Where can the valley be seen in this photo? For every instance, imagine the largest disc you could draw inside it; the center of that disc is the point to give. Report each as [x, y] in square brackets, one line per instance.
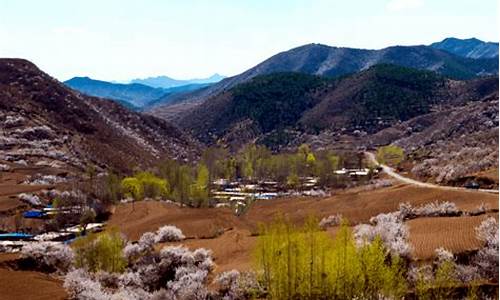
[164, 189]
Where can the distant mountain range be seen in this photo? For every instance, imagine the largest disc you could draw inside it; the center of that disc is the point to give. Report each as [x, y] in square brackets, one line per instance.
[471, 48]
[323, 60]
[167, 82]
[135, 96]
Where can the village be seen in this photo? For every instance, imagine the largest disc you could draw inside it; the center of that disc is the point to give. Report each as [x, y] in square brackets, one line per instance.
[237, 195]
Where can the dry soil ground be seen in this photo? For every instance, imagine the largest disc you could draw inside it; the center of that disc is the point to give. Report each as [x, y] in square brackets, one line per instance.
[233, 249]
[231, 240]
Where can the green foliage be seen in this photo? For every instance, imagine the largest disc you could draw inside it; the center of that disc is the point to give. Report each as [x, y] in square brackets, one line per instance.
[276, 100]
[100, 252]
[305, 263]
[152, 186]
[395, 93]
[390, 154]
[199, 190]
[113, 187]
[132, 187]
[444, 281]
[144, 184]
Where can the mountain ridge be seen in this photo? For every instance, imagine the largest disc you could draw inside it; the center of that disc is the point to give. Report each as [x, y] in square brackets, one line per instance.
[168, 82]
[319, 59]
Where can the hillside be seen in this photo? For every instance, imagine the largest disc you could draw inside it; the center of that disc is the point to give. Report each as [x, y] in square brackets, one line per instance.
[44, 122]
[471, 48]
[317, 59]
[269, 106]
[137, 95]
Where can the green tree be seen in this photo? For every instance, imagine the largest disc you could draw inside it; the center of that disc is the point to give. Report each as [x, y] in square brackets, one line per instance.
[133, 188]
[152, 186]
[100, 252]
[305, 263]
[390, 154]
[200, 189]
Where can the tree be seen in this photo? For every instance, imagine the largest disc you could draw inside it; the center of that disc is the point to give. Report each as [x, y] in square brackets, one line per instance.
[390, 154]
[86, 218]
[100, 252]
[304, 263]
[152, 186]
[199, 189]
[293, 180]
[133, 188]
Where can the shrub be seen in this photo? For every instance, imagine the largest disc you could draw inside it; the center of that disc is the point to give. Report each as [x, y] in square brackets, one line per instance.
[330, 221]
[79, 285]
[169, 233]
[390, 154]
[30, 199]
[438, 209]
[100, 252]
[434, 209]
[390, 228]
[486, 258]
[49, 256]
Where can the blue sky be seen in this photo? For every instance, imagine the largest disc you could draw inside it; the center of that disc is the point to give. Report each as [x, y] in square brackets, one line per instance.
[121, 40]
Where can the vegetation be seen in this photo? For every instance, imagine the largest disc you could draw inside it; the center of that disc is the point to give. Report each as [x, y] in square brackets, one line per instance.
[390, 155]
[100, 252]
[276, 100]
[305, 263]
[394, 93]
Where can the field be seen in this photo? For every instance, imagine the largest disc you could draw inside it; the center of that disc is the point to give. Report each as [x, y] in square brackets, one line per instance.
[456, 234]
[19, 284]
[232, 238]
[233, 247]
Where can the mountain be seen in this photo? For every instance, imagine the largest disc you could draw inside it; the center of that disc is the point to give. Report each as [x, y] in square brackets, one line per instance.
[317, 59]
[167, 82]
[135, 94]
[471, 48]
[45, 122]
[269, 107]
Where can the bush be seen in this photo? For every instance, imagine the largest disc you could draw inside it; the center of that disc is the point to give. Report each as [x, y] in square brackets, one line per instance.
[434, 209]
[391, 230]
[100, 252]
[390, 154]
[330, 221]
[486, 258]
[169, 233]
[49, 256]
[79, 285]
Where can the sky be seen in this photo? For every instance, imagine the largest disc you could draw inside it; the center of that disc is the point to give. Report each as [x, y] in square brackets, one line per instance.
[121, 40]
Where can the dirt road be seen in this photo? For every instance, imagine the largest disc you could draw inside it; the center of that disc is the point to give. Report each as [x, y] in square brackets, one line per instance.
[389, 171]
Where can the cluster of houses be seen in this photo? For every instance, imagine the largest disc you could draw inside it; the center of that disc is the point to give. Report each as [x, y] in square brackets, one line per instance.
[14, 241]
[238, 194]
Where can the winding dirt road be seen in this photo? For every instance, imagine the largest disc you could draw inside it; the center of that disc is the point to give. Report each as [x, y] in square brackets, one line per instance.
[389, 171]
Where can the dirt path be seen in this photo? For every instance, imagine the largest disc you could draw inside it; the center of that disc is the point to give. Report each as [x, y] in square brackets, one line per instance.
[389, 171]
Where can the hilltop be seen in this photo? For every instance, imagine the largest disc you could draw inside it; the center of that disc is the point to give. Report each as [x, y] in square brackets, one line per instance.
[323, 60]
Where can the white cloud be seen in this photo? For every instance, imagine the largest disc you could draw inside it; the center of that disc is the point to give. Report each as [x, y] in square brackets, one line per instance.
[404, 5]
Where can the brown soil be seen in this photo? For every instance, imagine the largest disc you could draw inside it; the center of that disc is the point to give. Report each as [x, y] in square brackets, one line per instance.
[456, 234]
[135, 219]
[233, 249]
[19, 284]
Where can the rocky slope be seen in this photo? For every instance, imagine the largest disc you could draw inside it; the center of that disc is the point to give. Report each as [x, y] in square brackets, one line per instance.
[44, 122]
